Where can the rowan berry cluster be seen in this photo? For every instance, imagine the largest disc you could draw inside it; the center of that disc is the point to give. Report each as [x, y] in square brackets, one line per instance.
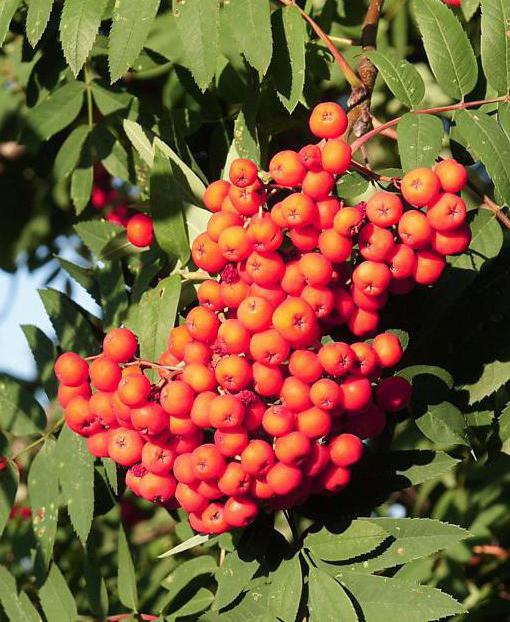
[139, 227]
[256, 407]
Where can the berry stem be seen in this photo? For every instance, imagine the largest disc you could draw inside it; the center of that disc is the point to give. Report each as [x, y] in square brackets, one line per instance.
[345, 68]
[358, 143]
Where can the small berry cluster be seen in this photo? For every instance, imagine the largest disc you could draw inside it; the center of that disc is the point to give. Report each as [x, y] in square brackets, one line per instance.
[139, 227]
[256, 407]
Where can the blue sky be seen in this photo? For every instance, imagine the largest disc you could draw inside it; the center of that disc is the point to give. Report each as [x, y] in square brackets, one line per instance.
[20, 304]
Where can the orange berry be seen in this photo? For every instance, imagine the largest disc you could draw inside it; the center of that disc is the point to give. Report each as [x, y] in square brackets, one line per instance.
[348, 220]
[105, 374]
[336, 358]
[178, 338]
[367, 361]
[243, 172]
[429, 267]
[362, 322]
[298, 210]
[355, 393]
[384, 209]
[293, 280]
[287, 169]
[335, 247]
[202, 324]
[269, 347]
[248, 200]
[327, 211]
[318, 185]
[345, 449]
[284, 478]
[231, 442]
[71, 369]
[226, 411]
[140, 230]
[452, 175]
[267, 379]
[388, 349]
[292, 448]
[328, 120]
[264, 234]
[233, 373]
[420, 187]
[278, 420]
[448, 213]
[209, 295]
[295, 394]
[295, 320]
[305, 365]
[316, 269]
[207, 254]
[314, 422]
[232, 294]
[265, 268]
[371, 277]
[304, 238]
[451, 242]
[310, 156]
[402, 261]
[255, 313]
[177, 398]
[325, 394]
[199, 376]
[221, 221]
[375, 243]
[393, 394]
[336, 156]
[215, 193]
[321, 299]
[257, 458]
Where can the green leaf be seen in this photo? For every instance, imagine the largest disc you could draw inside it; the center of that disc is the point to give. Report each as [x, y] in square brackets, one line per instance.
[486, 241]
[504, 424]
[139, 140]
[7, 10]
[112, 153]
[419, 140]
[69, 154]
[44, 493]
[55, 112]
[44, 354]
[469, 8]
[73, 329]
[39, 12]
[56, 598]
[487, 142]
[439, 464]
[381, 598]
[16, 607]
[246, 139]
[126, 577]
[288, 63]
[233, 577]
[186, 572]
[250, 24]
[496, 44]
[82, 181]
[185, 546]
[9, 479]
[199, 602]
[110, 99]
[252, 608]
[20, 413]
[197, 25]
[444, 425]
[351, 184]
[327, 599]
[494, 375]
[114, 300]
[110, 469]
[78, 29]
[401, 77]
[85, 277]
[132, 21]
[97, 233]
[156, 314]
[411, 538]
[415, 371]
[77, 482]
[448, 49]
[360, 537]
[286, 587]
[167, 209]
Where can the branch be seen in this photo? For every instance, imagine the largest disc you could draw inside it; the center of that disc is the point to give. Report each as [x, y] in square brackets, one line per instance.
[345, 68]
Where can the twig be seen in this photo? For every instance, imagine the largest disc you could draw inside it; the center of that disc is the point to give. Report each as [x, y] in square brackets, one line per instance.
[364, 170]
[497, 210]
[40, 440]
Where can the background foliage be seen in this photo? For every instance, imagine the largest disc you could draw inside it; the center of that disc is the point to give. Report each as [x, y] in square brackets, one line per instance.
[162, 97]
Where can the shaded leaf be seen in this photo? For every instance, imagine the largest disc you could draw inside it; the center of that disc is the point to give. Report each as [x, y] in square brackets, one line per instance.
[286, 587]
[97, 233]
[9, 478]
[126, 577]
[20, 413]
[444, 425]
[327, 599]
[246, 137]
[199, 602]
[496, 44]
[69, 154]
[114, 300]
[83, 276]
[56, 598]
[401, 77]
[438, 465]
[44, 353]
[16, 607]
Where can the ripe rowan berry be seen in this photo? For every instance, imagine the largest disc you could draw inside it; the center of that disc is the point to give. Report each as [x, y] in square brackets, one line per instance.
[284, 478]
[344, 305]
[267, 379]
[234, 243]
[295, 394]
[235, 481]
[232, 294]
[199, 413]
[366, 302]
[120, 345]
[269, 347]
[220, 221]
[384, 209]
[304, 238]
[209, 489]
[335, 247]
[429, 267]
[321, 299]
[225, 412]
[299, 210]
[231, 442]
[207, 462]
[140, 230]
[101, 408]
[336, 156]
[393, 394]
[287, 169]
[134, 390]
[305, 366]
[71, 369]
[274, 295]
[366, 362]
[366, 424]
[451, 242]
[414, 229]
[97, 444]
[316, 269]
[452, 175]
[372, 277]
[157, 488]
[345, 450]
[420, 187]
[66, 393]
[310, 156]
[314, 422]
[388, 348]
[196, 352]
[318, 185]
[255, 313]
[375, 243]
[189, 498]
[215, 193]
[202, 324]
[335, 478]
[183, 469]
[336, 358]
[295, 320]
[213, 519]
[278, 420]
[125, 446]
[325, 394]
[105, 374]
[243, 172]
[248, 200]
[328, 120]
[327, 209]
[293, 280]
[362, 322]
[177, 398]
[79, 417]
[240, 512]
[158, 458]
[207, 254]
[401, 261]
[266, 269]
[447, 213]
[233, 373]
[263, 234]
[355, 393]
[257, 457]
[348, 220]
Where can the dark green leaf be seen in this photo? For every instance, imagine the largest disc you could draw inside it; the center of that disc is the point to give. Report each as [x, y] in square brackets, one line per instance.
[44, 493]
[381, 598]
[402, 78]
[167, 209]
[17, 608]
[114, 300]
[56, 598]
[444, 425]
[37, 18]
[427, 370]
[69, 154]
[132, 21]
[351, 184]
[496, 44]
[288, 64]
[360, 537]
[95, 584]
[7, 10]
[126, 577]
[81, 187]
[20, 413]
[44, 354]
[9, 478]
[494, 375]
[55, 112]
[73, 329]
[197, 25]
[97, 233]
[419, 140]
[77, 482]
[110, 468]
[78, 29]
[246, 137]
[286, 587]
[448, 49]
[438, 465]
[487, 142]
[233, 577]
[83, 276]
[110, 99]
[199, 602]
[156, 316]
[327, 599]
[187, 572]
[250, 23]
[252, 608]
